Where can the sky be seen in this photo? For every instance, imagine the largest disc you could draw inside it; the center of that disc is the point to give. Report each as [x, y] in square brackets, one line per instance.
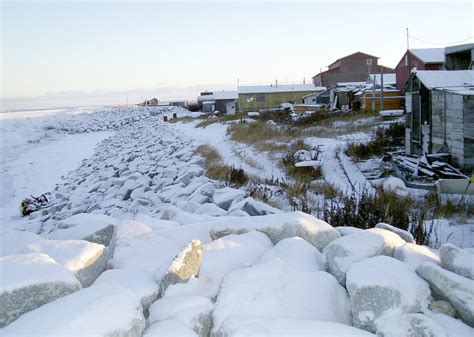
[104, 52]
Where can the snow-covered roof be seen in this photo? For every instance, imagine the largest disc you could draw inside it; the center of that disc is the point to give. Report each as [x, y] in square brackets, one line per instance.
[459, 48]
[225, 95]
[387, 78]
[350, 84]
[257, 89]
[466, 91]
[446, 78]
[429, 55]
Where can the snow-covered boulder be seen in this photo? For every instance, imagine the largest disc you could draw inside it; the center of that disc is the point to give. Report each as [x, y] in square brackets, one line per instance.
[280, 226]
[279, 327]
[253, 207]
[395, 185]
[138, 282]
[136, 246]
[85, 259]
[184, 266]
[414, 255]
[343, 252]
[348, 230]
[224, 197]
[409, 325]
[298, 254]
[183, 217]
[103, 310]
[457, 260]
[29, 281]
[204, 285]
[383, 285]
[272, 290]
[454, 327]
[405, 235]
[96, 228]
[457, 290]
[234, 251]
[169, 328]
[210, 209]
[193, 311]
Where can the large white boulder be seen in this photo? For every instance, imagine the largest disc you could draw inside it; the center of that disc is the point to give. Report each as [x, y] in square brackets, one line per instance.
[224, 197]
[210, 209]
[85, 259]
[395, 185]
[343, 252]
[380, 285]
[234, 251]
[280, 226]
[204, 285]
[298, 254]
[105, 310]
[193, 311]
[454, 327]
[97, 228]
[272, 290]
[169, 328]
[409, 325]
[457, 260]
[29, 281]
[347, 230]
[414, 255]
[141, 283]
[285, 327]
[457, 290]
[405, 235]
[253, 207]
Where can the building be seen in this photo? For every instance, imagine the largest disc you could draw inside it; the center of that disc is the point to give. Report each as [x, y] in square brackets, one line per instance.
[440, 114]
[352, 68]
[388, 79]
[460, 57]
[179, 103]
[421, 59]
[218, 101]
[323, 97]
[254, 98]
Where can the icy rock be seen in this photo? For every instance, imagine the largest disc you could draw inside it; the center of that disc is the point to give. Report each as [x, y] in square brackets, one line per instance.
[210, 209]
[85, 259]
[253, 207]
[457, 290]
[280, 226]
[136, 246]
[297, 254]
[188, 206]
[191, 172]
[343, 252]
[204, 285]
[443, 307]
[395, 185]
[414, 255]
[234, 251]
[184, 218]
[185, 265]
[457, 260]
[224, 197]
[169, 328]
[279, 327]
[405, 235]
[156, 224]
[348, 230]
[30, 280]
[454, 327]
[381, 285]
[170, 172]
[96, 228]
[272, 290]
[138, 282]
[120, 314]
[238, 212]
[193, 311]
[409, 325]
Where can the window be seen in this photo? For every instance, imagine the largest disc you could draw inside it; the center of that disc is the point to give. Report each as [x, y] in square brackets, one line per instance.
[406, 60]
[260, 98]
[249, 98]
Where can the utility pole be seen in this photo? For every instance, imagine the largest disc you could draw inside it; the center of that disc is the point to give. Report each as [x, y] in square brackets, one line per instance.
[408, 55]
[373, 93]
[381, 89]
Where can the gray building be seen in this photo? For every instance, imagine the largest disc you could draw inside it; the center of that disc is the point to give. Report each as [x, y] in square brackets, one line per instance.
[460, 57]
[440, 114]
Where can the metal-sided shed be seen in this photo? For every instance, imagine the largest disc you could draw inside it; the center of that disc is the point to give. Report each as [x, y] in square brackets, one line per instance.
[440, 114]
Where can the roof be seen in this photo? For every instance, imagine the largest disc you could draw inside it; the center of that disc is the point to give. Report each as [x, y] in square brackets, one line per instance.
[465, 90]
[353, 55]
[350, 84]
[225, 95]
[446, 78]
[429, 55]
[260, 89]
[387, 78]
[459, 48]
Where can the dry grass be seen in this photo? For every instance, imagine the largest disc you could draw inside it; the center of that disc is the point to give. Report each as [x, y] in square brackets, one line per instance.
[224, 118]
[258, 132]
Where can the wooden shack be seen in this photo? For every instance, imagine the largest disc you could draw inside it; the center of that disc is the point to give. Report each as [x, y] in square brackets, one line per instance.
[440, 114]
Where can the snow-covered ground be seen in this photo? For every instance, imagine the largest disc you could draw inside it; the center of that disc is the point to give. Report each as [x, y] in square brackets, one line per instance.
[189, 256]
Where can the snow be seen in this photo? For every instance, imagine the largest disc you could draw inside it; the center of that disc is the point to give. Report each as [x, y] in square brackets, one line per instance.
[95, 311]
[395, 185]
[415, 255]
[298, 255]
[445, 78]
[234, 251]
[457, 260]
[409, 325]
[454, 327]
[204, 285]
[168, 328]
[429, 55]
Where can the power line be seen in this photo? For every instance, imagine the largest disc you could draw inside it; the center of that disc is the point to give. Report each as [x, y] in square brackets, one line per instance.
[440, 43]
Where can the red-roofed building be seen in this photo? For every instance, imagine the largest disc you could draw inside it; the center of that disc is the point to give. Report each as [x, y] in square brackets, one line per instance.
[422, 59]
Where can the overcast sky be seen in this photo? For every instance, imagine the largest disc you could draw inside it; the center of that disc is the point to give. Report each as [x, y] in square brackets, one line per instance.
[74, 47]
